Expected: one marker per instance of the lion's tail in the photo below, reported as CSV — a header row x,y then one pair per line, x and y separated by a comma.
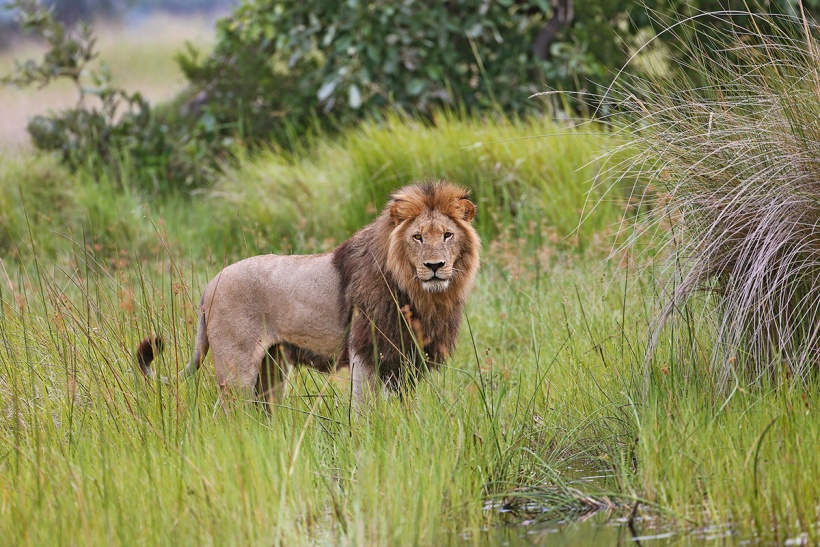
x,y
150,348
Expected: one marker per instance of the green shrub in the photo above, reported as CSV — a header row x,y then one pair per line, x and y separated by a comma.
x,y
281,68
281,61
110,129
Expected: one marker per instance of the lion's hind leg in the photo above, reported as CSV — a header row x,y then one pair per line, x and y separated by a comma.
x,y
237,361
273,375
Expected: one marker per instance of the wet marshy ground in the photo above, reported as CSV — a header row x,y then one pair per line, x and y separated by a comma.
x,y
567,514
619,526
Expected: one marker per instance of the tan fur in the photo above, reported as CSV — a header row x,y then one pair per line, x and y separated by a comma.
x,y
385,302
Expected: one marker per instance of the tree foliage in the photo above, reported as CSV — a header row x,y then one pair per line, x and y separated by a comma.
x,y
108,128
277,62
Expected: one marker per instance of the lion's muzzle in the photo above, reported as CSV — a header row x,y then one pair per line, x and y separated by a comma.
x,y
434,266
435,277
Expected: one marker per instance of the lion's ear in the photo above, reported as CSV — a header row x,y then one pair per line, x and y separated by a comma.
x,y
467,209
400,211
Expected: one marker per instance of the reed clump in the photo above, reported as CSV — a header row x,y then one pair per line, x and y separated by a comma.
x,y
730,146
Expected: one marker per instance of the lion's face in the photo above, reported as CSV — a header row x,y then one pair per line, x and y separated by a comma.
x,y
431,239
432,242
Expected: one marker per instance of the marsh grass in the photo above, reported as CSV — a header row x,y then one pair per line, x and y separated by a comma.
x,y
548,410
529,176
94,453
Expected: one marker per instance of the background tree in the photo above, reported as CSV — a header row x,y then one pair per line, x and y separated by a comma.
x,y
281,69
280,66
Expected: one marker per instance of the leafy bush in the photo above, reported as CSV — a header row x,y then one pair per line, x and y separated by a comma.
x,y
245,94
282,68
109,130
287,59
276,63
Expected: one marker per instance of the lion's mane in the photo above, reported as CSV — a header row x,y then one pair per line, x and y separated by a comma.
x,y
390,313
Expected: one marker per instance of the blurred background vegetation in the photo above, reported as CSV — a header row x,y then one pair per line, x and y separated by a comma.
x,y
281,72
185,135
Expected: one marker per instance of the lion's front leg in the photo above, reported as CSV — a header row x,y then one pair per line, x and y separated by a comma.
x,y
364,378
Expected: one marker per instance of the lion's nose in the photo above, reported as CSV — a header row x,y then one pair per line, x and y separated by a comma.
x,y
434,265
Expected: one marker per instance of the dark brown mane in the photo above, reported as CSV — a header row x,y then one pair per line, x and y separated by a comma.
x,y
388,319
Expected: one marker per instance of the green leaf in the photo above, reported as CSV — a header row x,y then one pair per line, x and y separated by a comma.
x,y
354,97
475,30
326,90
416,86
544,5
329,35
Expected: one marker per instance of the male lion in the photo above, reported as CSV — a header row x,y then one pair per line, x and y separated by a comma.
x,y
387,302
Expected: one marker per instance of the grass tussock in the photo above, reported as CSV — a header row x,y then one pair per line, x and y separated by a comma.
x,y
732,152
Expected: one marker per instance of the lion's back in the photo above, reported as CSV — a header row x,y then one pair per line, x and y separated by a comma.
x,y
292,299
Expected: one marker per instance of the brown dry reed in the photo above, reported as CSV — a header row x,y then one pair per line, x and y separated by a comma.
x,y
728,150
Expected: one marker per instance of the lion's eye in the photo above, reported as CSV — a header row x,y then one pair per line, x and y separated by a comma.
x,y
447,235
417,237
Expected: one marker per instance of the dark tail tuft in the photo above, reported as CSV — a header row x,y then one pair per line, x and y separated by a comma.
x,y
146,352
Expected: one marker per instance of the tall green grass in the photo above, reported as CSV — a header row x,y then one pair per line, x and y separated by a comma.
x,y
524,174
93,453
531,179
548,410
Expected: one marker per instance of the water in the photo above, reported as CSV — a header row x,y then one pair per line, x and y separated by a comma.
x,y
565,516
605,529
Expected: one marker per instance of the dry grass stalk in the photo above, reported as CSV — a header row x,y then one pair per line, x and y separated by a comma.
x,y
734,149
